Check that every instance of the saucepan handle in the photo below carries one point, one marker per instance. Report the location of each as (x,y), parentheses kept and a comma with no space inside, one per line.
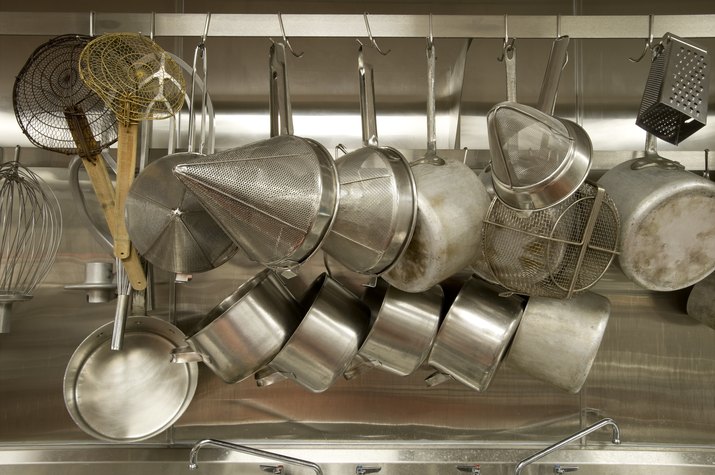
(358,366)
(268,376)
(186,354)
(437,378)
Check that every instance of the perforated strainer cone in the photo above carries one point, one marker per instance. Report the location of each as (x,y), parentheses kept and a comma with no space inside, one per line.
(275,198)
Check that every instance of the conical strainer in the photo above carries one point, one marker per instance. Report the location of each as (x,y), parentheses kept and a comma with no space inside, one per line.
(275,198)
(537,160)
(377,208)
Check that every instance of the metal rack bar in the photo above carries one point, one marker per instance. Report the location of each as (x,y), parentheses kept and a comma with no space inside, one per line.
(385,26)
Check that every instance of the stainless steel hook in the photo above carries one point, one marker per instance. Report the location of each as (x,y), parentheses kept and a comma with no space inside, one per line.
(91,23)
(285,38)
(508,45)
(430,38)
(648,42)
(372,40)
(558,26)
(152,25)
(206,27)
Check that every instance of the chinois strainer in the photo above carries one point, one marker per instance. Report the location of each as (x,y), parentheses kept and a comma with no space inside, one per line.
(377,208)
(553,252)
(537,160)
(275,198)
(675,101)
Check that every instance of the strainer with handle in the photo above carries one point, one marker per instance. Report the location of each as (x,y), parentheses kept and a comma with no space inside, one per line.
(138,81)
(275,198)
(378,205)
(58,112)
(537,160)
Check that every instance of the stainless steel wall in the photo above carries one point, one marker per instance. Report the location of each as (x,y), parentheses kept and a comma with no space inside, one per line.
(655,371)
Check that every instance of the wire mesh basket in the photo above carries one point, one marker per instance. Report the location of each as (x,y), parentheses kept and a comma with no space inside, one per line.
(553,252)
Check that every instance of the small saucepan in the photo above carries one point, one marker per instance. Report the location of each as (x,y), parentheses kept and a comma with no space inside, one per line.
(334,326)
(475,335)
(245,331)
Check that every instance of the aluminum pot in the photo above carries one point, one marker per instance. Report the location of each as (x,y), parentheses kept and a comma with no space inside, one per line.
(403,329)
(245,331)
(475,335)
(667,232)
(557,339)
(701,301)
(133,394)
(326,341)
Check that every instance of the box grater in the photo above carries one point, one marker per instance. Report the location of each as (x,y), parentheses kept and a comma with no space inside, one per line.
(675,100)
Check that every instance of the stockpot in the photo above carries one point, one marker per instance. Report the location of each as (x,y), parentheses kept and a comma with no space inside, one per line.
(475,335)
(558,339)
(402,331)
(327,339)
(245,331)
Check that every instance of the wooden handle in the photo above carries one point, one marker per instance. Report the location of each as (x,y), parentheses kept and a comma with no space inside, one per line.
(126,167)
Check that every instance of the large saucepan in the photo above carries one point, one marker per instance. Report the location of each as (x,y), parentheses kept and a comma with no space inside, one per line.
(667,231)
(133,394)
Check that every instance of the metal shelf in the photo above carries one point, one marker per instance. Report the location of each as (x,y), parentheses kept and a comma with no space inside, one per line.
(394,26)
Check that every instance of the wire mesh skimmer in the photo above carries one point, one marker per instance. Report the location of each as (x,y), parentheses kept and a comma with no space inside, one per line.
(553,252)
(30,232)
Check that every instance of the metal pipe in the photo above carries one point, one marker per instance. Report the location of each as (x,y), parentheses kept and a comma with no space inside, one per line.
(616,439)
(193,464)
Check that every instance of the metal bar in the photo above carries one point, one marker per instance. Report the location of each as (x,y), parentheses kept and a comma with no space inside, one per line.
(349,26)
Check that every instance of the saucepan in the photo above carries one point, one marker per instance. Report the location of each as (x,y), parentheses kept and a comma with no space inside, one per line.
(558,339)
(475,335)
(245,331)
(403,329)
(327,339)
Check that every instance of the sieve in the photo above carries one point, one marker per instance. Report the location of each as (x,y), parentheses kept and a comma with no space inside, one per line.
(675,100)
(554,252)
(275,198)
(138,81)
(537,160)
(376,213)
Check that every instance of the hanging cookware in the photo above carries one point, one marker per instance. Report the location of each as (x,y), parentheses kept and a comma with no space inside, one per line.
(165,221)
(557,340)
(138,81)
(133,394)
(675,99)
(667,235)
(30,232)
(327,339)
(58,112)
(245,331)
(451,205)
(701,302)
(376,213)
(402,330)
(538,160)
(475,335)
(275,198)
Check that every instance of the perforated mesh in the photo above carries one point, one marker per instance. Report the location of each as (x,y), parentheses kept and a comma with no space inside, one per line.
(537,253)
(48,91)
(375,211)
(675,99)
(134,76)
(529,147)
(267,196)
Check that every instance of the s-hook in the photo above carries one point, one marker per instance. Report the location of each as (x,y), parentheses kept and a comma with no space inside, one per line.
(285,38)
(648,42)
(508,45)
(370,37)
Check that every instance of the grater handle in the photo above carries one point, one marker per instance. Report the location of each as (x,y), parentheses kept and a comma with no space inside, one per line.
(550,86)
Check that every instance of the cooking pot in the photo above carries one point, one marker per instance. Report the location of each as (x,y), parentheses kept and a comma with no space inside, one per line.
(326,341)
(132,394)
(667,231)
(245,331)
(475,335)
(402,331)
(701,301)
(557,339)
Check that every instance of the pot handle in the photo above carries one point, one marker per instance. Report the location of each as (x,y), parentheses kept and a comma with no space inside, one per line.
(185,354)
(437,378)
(358,366)
(268,376)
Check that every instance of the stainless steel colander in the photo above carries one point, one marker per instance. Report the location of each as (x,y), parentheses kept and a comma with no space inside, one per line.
(275,198)
(376,215)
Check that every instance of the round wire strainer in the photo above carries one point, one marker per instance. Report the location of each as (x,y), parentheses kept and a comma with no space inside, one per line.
(553,252)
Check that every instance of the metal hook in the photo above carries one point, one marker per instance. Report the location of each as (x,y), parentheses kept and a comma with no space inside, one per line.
(91,23)
(206,27)
(430,39)
(152,25)
(558,26)
(372,40)
(648,42)
(285,38)
(508,45)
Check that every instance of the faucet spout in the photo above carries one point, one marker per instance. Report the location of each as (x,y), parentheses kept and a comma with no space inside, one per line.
(193,456)
(615,438)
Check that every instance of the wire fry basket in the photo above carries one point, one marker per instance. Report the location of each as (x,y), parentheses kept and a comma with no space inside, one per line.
(554,252)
